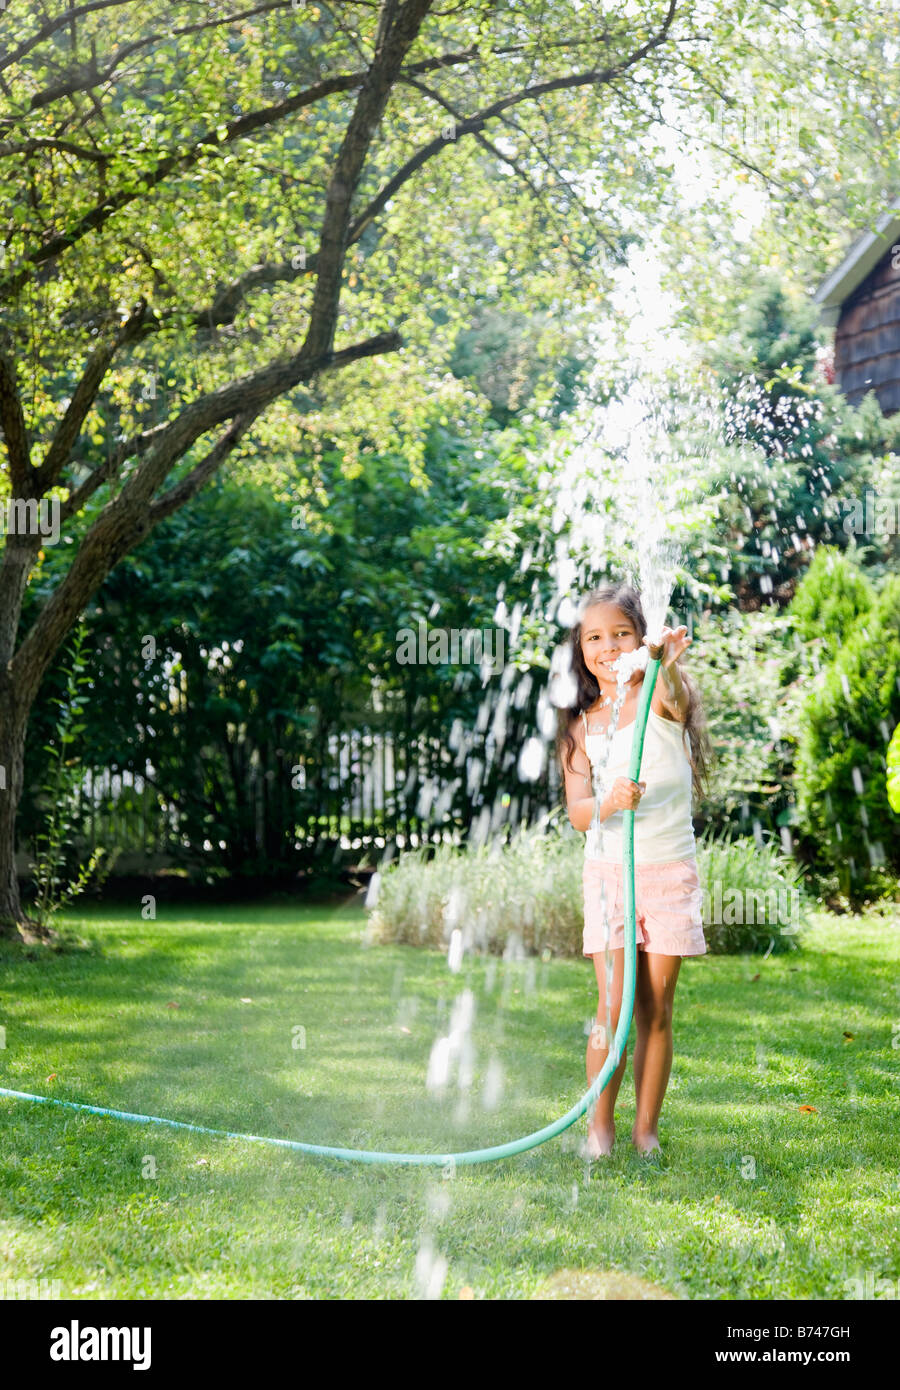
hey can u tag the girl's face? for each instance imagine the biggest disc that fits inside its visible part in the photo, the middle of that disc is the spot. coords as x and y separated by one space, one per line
607 632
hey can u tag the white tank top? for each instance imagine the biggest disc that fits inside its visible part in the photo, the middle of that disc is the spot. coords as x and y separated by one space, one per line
663 829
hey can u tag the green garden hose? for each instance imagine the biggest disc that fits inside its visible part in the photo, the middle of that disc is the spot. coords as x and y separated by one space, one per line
515 1146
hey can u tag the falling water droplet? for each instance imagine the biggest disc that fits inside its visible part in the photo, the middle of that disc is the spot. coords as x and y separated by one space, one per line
437 1203
373 890
531 759
438 1067
431 1270
492 1091
455 953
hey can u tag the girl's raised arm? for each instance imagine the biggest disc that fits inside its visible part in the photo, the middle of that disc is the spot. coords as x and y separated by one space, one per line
671 693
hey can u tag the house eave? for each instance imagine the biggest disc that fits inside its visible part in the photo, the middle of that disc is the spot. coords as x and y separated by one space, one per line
863 256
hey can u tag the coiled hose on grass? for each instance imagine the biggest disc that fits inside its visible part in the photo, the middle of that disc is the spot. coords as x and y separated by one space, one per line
515 1146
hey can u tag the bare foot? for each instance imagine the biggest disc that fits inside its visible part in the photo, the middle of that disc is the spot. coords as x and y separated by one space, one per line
645 1143
599 1142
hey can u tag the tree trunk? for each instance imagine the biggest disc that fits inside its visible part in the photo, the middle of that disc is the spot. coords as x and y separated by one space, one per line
15 924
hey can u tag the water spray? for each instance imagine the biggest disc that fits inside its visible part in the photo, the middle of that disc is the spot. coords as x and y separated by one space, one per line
515 1146
658 558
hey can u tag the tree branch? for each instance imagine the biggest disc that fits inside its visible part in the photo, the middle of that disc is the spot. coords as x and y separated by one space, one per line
12 419
748 164
54 25
127 518
228 300
69 427
398 27
36 143
474 123
615 250
523 174
171 163
177 162
139 444
247 124
177 496
125 449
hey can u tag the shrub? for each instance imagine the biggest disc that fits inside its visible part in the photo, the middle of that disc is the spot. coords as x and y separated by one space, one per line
741 662
833 595
893 771
847 723
756 891
523 895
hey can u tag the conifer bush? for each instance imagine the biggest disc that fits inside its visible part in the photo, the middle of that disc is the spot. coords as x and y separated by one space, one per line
832 596
847 722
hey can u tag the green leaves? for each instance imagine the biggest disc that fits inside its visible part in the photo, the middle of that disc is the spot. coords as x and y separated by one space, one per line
833 596
893 771
844 729
308 629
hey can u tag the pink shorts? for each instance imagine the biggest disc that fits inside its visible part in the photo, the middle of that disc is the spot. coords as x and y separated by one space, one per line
667 904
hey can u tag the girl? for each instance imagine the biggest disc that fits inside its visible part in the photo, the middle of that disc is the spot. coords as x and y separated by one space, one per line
668 919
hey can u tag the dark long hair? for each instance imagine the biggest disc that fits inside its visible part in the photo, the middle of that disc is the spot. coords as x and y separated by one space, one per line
587 690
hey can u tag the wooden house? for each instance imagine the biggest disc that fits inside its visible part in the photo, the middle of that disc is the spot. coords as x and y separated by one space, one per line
860 299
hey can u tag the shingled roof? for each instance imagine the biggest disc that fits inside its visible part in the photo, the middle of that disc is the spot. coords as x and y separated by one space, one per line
863 256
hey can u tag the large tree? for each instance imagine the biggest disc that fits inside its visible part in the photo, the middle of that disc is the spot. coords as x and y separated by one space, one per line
219 219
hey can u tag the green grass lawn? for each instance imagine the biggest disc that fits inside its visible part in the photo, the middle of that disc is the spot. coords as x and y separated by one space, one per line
753 1199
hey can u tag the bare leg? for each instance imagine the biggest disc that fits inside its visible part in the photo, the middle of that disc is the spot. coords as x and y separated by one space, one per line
601 1128
654 993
